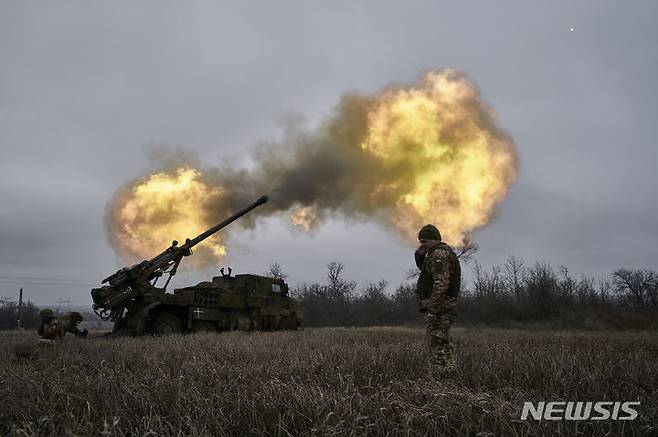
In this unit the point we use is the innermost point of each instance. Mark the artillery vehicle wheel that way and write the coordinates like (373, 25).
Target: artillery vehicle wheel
(166, 324)
(288, 323)
(120, 328)
(203, 326)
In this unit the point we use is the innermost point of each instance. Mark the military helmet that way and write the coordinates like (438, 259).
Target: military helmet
(46, 313)
(429, 232)
(76, 317)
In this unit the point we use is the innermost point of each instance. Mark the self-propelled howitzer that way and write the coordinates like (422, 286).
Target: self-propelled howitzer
(135, 305)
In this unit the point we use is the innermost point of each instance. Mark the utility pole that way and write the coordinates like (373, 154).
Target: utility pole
(20, 309)
(61, 302)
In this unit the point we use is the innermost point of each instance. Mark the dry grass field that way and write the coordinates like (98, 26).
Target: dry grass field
(322, 382)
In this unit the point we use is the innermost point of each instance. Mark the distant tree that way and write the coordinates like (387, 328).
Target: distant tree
(338, 288)
(467, 249)
(479, 280)
(640, 287)
(497, 285)
(566, 284)
(604, 291)
(373, 305)
(276, 271)
(586, 291)
(412, 273)
(314, 302)
(487, 284)
(331, 304)
(404, 305)
(542, 289)
(514, 276)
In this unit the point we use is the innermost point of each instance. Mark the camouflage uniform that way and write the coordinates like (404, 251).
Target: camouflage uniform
(437, 294)
(53, 328)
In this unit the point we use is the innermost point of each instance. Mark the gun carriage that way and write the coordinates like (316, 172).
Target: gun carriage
(132, 300)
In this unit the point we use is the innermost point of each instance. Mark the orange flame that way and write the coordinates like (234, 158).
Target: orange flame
(162, 207)
(456, 171)
(304, 217)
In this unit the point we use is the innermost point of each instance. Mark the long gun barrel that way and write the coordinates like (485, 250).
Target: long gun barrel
(199, 238)
(126, 282)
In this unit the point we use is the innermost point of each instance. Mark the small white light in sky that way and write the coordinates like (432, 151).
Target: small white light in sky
(571, 29)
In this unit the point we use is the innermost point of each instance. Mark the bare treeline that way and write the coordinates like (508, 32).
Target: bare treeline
(510, 294)
(338, 302)
(519, 293)
(9, 314)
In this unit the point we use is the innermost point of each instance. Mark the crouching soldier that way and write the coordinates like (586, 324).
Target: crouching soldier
(53, 328)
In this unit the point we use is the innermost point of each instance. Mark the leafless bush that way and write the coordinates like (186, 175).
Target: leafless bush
(9, 314)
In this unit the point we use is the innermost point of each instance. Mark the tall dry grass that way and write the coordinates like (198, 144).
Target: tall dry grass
(322, 382)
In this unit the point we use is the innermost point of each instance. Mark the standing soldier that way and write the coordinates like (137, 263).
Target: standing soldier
(437, 292)
(53, 328)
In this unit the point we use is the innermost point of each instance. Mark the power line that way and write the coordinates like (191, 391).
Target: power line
(33, 278)
(65, 284)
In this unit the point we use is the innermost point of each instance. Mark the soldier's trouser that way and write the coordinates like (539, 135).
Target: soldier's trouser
(440, 343)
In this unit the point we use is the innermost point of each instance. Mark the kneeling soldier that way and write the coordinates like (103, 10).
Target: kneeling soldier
(53, 328)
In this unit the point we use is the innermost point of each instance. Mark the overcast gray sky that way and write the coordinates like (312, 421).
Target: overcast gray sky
(86, 87)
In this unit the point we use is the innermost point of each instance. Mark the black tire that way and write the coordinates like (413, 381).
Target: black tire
(119, 327)
(288, 323)
(166, 324)
(204, 326)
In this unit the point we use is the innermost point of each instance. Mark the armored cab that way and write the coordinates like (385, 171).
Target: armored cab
(245, 302)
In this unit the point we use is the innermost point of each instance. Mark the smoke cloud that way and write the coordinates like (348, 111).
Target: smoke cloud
(429, 152)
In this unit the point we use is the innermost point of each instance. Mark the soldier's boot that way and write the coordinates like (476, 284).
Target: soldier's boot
(443, 376)
(442, 373)
(443, 364)
(45, 342)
